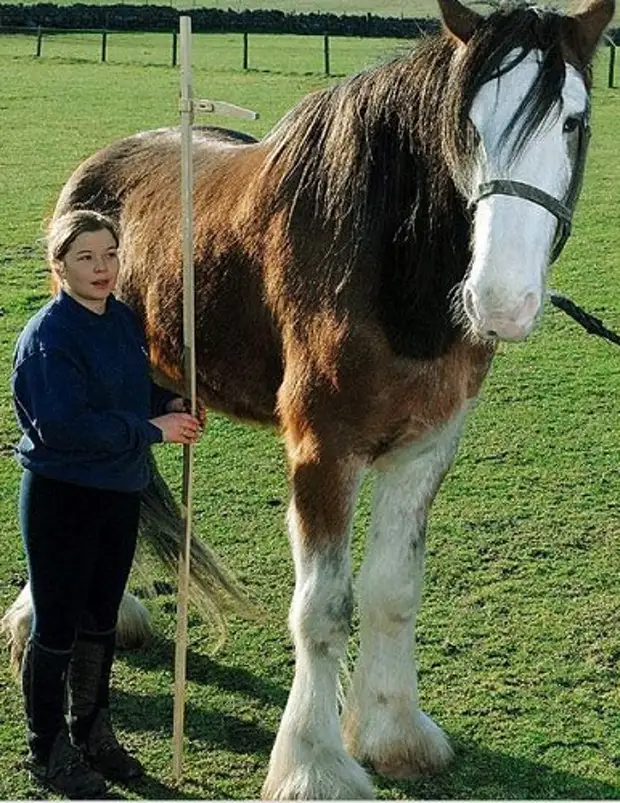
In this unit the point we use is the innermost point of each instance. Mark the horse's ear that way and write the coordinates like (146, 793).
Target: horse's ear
(458, 19)
(583, 29)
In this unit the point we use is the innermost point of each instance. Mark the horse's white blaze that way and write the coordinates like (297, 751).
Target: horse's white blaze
(308, 760)
(512, 242)
(382, 719)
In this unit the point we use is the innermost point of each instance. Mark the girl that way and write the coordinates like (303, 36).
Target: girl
(89, 414)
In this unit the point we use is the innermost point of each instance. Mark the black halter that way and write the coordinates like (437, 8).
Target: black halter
(563, 210)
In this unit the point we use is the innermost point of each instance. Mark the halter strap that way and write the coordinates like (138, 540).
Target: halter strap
(518, 189)
(563, 211)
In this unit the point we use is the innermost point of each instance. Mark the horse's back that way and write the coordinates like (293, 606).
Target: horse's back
(103, 180)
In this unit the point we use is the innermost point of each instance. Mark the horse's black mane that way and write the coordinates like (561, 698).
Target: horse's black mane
(381, 162)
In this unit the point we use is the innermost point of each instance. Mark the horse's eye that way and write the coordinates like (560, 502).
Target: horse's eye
(571, 124)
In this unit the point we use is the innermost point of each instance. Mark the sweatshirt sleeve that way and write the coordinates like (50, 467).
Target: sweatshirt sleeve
(51, 390)
(160, 398)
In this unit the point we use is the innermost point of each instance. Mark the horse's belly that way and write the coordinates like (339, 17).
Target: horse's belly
(245, 390)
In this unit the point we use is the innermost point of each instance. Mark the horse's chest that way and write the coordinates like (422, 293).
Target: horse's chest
(423, 398)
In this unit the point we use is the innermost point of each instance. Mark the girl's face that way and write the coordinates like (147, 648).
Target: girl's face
(89, 269)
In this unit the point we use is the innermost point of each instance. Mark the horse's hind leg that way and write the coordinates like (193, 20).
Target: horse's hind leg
(382, 722)
(308, 760)
(133, 628)
(16, 624)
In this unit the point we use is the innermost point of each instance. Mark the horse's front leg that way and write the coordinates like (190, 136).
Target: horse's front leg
(308, 760)
(382, 721)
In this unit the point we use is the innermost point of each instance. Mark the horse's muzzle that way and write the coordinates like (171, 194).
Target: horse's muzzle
(514, 325)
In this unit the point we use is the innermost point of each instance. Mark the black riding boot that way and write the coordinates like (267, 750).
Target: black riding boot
(91, 728)
(53, 760)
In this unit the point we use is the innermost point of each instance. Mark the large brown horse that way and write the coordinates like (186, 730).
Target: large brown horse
(354, 271)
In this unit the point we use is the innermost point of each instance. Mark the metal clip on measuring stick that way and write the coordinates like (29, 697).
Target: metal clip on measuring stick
(189, 106)
(221, 107)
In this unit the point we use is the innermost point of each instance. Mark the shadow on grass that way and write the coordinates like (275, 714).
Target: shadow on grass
(159, 654)
(211, 728)
(146, 788)
(481, 774)
(476, 773)
(149, 788)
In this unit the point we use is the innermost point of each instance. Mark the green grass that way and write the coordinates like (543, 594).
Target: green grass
(519, 640)
(216, 53)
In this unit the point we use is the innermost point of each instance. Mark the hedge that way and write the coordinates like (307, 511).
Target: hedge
(81, 16)
(164, 18)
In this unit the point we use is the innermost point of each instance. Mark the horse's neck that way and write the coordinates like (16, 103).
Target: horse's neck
(421, 264)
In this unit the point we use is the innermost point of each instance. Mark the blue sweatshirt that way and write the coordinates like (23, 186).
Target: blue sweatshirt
(83, 396)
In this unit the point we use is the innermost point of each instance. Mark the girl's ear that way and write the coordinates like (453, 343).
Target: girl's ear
(56, 276)
(58, 268)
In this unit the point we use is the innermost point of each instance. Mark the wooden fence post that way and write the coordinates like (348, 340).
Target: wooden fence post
(612, 65)
(326, 52)
(39, 41)
(104, 44)
(245, 51)
(174, 48)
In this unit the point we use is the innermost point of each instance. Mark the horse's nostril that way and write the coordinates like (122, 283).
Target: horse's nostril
(491, 333)
(527, 309)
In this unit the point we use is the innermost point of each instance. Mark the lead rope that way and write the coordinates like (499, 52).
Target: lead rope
(589, 322)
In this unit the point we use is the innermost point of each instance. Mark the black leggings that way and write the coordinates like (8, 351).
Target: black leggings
(79, 544)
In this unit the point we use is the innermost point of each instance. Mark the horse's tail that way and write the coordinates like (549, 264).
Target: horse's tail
(162, 530)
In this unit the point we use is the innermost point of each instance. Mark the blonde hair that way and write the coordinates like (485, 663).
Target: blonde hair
(63, 231)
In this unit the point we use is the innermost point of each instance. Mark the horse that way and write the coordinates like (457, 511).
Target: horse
(355, 270)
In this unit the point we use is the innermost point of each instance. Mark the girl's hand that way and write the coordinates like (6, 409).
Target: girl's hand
(178, 427)
(181, 405)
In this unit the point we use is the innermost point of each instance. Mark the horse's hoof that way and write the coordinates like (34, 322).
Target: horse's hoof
(395, 771)
(423, 750)
(331, 777)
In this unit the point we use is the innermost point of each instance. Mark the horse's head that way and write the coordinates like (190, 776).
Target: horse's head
(525, 110)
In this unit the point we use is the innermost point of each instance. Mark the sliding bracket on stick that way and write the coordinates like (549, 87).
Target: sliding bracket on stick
(222, 107)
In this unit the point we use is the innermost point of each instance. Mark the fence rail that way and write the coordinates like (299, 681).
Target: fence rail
(107, 37)
(40, 32)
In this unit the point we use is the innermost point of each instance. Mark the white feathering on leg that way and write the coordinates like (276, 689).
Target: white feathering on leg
(382, 721)
(133, 627)
(308, 760)
(16, 623)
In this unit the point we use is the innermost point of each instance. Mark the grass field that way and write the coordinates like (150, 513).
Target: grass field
(519, 636)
